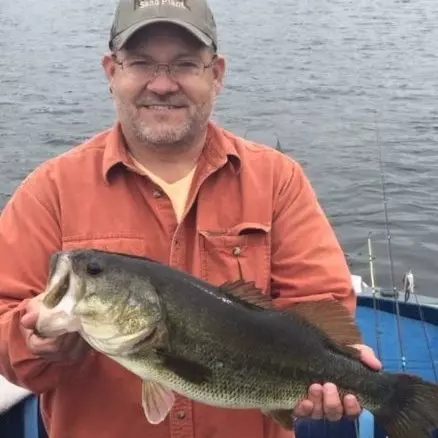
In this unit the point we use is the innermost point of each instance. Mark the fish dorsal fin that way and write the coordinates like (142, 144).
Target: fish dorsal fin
(246, 293)
(332, 317)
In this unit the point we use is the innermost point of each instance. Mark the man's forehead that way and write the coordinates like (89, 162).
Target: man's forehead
(164, 33)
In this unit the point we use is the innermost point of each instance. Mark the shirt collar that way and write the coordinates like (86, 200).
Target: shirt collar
(219, 150)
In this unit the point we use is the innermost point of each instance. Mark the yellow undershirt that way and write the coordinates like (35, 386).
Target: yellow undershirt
(177, 191)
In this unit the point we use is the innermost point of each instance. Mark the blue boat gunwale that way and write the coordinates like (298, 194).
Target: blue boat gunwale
(411, 310)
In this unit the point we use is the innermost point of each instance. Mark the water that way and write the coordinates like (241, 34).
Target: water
(323, 75)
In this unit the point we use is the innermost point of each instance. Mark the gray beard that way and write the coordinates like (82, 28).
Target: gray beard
(171, 137)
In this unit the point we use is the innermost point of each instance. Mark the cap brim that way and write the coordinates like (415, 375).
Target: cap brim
(121, 39)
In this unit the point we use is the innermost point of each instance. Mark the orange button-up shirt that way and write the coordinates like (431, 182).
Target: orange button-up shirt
(250, 211)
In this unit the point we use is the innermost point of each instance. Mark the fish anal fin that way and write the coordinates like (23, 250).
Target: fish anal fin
(246, 292)
(157, 401)
(284, 417)
(333, 318)
(185, 368)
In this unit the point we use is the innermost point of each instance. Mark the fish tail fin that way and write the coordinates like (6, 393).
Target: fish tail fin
(412, 411)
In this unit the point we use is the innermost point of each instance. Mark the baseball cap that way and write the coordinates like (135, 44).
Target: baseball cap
(193, 15)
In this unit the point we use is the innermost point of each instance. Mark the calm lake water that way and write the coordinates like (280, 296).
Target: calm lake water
(335, 80)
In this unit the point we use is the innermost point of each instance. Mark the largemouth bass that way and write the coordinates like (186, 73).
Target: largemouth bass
(226, 346)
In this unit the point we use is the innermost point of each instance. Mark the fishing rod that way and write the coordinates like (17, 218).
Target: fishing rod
(394, 288)
(388, 239)
(408, 278)
(374, 290)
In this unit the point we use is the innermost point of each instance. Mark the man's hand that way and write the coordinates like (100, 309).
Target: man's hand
(324, 401)
(68, 347)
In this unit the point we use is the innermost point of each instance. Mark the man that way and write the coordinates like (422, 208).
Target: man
(168, 184)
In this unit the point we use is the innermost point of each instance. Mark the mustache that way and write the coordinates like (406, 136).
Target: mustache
(173, 100)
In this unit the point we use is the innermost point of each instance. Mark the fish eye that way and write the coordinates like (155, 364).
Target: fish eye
(93, 268)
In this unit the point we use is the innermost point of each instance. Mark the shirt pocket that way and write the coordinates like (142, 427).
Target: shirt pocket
(242, 252)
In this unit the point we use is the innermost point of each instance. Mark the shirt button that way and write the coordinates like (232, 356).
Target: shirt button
(157, 194)
(237, 251)
(181, 415)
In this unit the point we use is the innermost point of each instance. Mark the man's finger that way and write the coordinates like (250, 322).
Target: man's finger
(332, 405)
(44, 345)
(28, 320)
(352, 407)
(368, 357)
(304, 409)
(316, 397)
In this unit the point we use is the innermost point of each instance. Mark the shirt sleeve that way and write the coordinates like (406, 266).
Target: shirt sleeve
(307, 260)
(29, 234)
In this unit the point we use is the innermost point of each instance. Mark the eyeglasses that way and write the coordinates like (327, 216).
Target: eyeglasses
(177, 70)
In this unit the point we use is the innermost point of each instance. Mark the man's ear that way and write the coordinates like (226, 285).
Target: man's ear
(109, 68)
(219, 68)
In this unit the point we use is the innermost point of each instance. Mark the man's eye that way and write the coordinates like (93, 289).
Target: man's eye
(139, 63)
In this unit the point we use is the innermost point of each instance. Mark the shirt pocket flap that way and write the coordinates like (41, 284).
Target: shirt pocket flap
(239, 252)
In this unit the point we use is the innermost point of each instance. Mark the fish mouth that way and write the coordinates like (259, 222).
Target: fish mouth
(59, 283)
(56, 313)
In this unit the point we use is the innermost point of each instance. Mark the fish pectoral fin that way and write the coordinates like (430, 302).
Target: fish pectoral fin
(332, 317)
(247, 294)
(184, 368)
(157, 401)
(284, 417)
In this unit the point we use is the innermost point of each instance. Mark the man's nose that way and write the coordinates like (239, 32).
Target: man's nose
(162, 83)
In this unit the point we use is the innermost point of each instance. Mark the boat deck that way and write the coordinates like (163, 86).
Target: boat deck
(406, 344)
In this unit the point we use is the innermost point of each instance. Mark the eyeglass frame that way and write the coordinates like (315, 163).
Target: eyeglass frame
(167, 65)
